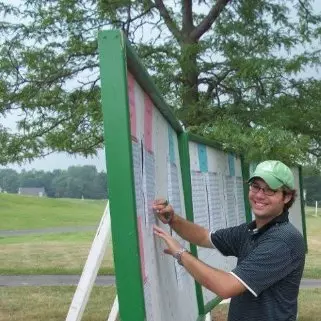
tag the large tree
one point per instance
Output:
(232, 70)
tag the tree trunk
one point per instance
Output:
(190, 95)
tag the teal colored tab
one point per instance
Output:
(171, 144)
(231, 164)
(202, 157)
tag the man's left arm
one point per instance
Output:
(222, 283)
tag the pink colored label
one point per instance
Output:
(148, 124)
(141, 248)
(132, 103)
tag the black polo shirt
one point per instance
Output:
(270, 265)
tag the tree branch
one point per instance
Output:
(130, 19)
(208, 21)
(170, 23)
(187, 14)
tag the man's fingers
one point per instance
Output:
(172, 245)
(160, 201)
(161, 206)
(165, 209)
(159, 230)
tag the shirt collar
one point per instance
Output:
(253, 230)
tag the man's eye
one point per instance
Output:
(269, 191)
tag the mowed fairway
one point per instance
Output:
(23, 212)
(52, 303)
(66, 253)
(63, 253)
(313, 259)
(309, 307)
(53, 253)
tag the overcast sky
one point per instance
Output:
(63, 161)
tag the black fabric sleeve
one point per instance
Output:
(268, 263)
(228, 240)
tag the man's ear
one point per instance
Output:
(287, 198)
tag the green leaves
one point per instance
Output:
(259, 143)
(234, 75)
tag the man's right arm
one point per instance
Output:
(187, 230)
(191, 232)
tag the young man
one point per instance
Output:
(264, 285)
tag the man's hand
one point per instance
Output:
(164, 210)
(172, 245)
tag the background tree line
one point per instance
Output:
(75, 182)
(312, 185)
(87, 182)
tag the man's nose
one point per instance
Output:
(261, 192)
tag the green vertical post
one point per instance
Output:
(303, 209)
(187, 187)
(246, 176)
(113, 70)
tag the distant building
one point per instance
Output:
(32, 191)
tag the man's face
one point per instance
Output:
(265, 202)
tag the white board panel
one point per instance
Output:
(169, 291)
(218, 199)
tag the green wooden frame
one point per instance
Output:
(187, 187)
(246, 176)
(113, 70)
(116, 57)
(184, 139)
(303, 209)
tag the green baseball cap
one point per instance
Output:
(275, 174)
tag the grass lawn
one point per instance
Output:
(313, 259)
(52, 303)
(27, 212)
(309, 306)
(64, 253)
